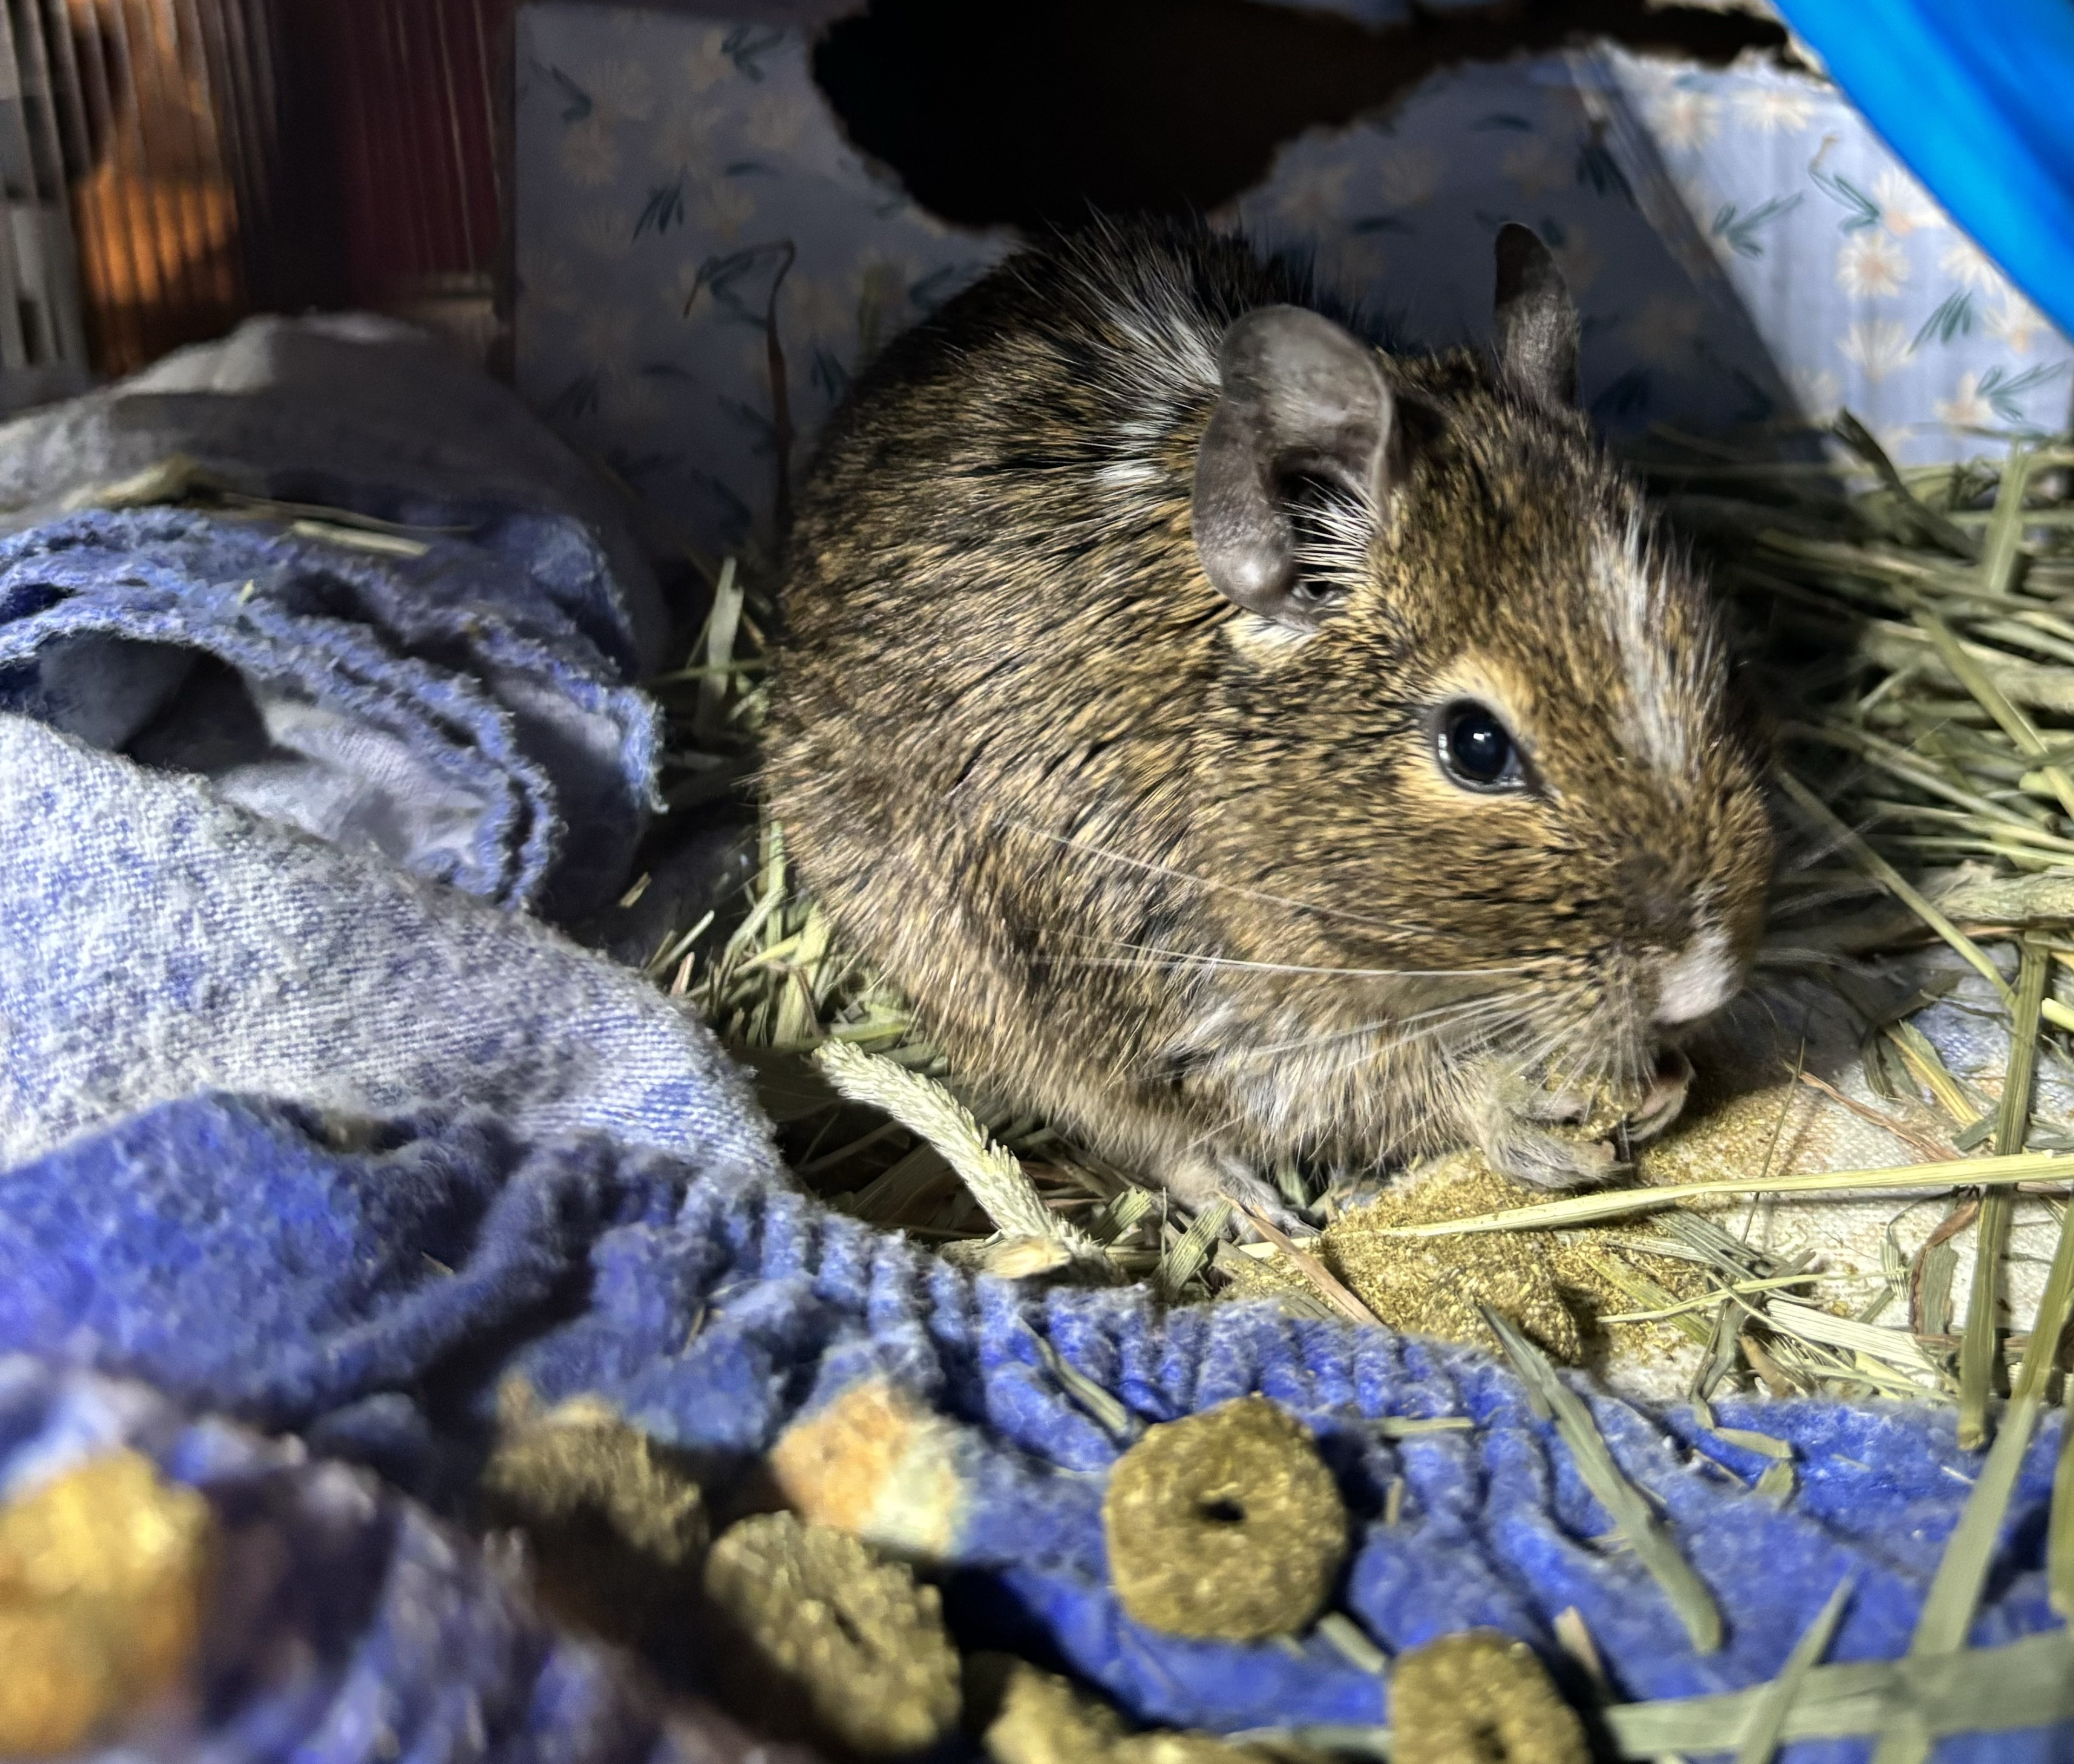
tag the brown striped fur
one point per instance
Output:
(1194, 887)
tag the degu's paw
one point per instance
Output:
(1557, 1137)
(1199, 1179)
(1544, 1157)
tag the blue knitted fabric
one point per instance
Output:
(345, 1621)
(462, 712)
(375, 1294)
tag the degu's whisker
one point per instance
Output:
(1151, 868)
(1177, 958)
(1482, 1016)
(1217, 1129)
(1544, 1048)
(1424, 1024)
(1437, 1021)
(1492, 1002)
(1242, 1056)
(1549, 1054)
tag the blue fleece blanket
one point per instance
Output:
(443, 706)
(409, 622)
(376, 1296)
(155, 938)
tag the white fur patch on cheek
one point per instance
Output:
(1699, 980)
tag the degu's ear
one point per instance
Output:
(1302, 399)
(1537, 321)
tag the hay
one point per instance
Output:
(1633, 1517)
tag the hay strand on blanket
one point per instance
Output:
(2024, 1685)
(1980, 1350)
(2011, 1689)
(1761, 1736)
(2059, 1535)
(1954, 1597)
(1631, 1512)
(2055, 1310)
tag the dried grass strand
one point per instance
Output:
(1631, 1512)
(994, 1176)
(2029, 1167)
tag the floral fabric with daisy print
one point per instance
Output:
(1744, 250)
(1868, 297)
(674, 175)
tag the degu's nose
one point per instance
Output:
(1696, 980)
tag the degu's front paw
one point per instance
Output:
(1554, 1137)
(1553, 1156)
(1200, 1179)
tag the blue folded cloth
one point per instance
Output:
(442, 674)
(236, 1254)
(443, 709)
(1975, 104)
(333, 405)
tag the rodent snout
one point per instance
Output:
(1697, 980)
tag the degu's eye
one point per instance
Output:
(1476, 750)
